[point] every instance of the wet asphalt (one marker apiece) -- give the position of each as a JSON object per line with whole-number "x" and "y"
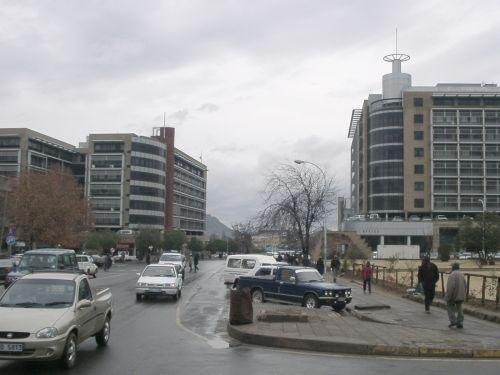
{"x": 189, "y": 337}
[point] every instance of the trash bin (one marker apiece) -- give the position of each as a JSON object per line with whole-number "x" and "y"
{"x": 240, "y": 307}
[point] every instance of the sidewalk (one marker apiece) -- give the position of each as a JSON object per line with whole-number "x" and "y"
{"x": 402, "y": 330}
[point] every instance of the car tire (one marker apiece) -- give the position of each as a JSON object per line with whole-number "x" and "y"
{"x": 102, "y": 336}
{"x": 180, "y": 293}
{"x": 138, "y": 297}
{"x": 257, "y": 296}
{"x": 310, "y": 301}
{"x": 68, "y": 358}
{"x": 176, "y": 296}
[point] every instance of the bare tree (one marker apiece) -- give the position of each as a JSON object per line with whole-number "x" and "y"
{"x": 297, "y": 198}
{"x": 242, "y": 234}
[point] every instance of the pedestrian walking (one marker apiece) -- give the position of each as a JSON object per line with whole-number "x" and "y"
{"x": 367, "y": 274}
{"x": 455, "y": 295}
{"x": 148, "y": 258}
{"x": 428, "y": 275}
{"x": 196, "y": 259}
{"x": 190, "y": 263}
{"x": 335, "y": 265}
{"x": 107, "y": 262}
{"x": 320, "y": 266}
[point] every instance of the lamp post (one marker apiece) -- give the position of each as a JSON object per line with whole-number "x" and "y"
{"x": 324, "y": 219}
{"x": 484, "y": 228}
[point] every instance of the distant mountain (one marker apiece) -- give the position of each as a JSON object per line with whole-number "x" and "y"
{"x": 215, "y": 227}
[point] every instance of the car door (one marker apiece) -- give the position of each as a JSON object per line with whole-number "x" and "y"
{"x": 287, "y": 289}
{"x": 85, "y": 315}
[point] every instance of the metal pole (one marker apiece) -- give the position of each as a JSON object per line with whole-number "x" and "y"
{"x": 484, "y": 228}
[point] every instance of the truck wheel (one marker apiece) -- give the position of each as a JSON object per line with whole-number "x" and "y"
{"x": 68, "y": 358}
{"x": 311, "y": 301}
{"x": 176, "y": 296}
{"x": 102, "y": 336}
{"x": 257, "y": 296}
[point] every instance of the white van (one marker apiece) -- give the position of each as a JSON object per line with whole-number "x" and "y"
{"x": 245, "y": 265}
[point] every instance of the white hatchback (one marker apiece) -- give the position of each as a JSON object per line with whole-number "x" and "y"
{"x": 86, "y": 265}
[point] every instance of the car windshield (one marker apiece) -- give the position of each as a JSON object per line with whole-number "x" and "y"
{"x": 38, "y": 262}
{"x": 81, "y": 259}
{"x": 159, "y": 271}
{"x": 27, "y": 293}
{"x": 170, "y": 258}
{"x": 309, "y": 276}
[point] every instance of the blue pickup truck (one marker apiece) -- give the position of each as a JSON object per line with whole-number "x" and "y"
{"x": 302, "y": 285}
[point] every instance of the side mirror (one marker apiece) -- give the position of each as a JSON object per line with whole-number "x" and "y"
{"x": 83, "y": 304}
{"x": 138, "y": 274}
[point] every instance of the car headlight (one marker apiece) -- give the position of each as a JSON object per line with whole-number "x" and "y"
{"x": 141, "y": 284}
{"x": 47, "y": 333}
{"x": 172, "y": 285}
{"x": 336, "y": 295}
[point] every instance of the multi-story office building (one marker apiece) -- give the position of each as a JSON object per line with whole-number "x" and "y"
{"x": 22, "y": 149}
{"x": 131, "y": 181}
{"x": 426, "y": 151}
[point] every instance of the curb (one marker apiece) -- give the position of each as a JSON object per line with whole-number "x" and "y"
{"x": 356, "y": 347}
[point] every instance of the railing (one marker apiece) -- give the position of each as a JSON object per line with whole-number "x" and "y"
{"x": 485, "y": 289}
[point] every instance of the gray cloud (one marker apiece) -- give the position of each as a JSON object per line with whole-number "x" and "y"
{"x": 179, "y": 116}
{"x": 208, "y": 107}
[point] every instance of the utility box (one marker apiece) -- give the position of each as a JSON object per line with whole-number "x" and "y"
{"x": 398, "y": 251}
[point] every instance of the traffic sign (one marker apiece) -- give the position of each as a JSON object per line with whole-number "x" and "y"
{"x": 10, "y": 240}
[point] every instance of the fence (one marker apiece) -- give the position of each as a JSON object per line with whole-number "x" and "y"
{"x": 481, "y": 289}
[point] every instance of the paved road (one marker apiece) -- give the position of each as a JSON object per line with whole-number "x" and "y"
{"x": 188, "y": 337}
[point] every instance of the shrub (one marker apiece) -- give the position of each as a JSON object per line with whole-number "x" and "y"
{"x": 444, "y": 252}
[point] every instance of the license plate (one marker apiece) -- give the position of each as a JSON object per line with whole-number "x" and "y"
{"x": 8, "y": 347}
{"x": 341, "y": 299}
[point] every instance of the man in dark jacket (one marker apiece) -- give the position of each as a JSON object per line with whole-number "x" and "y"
{"x": 335, "y": 267}
{"x": 428, "y": 275}
{"x": 320, "y": 266}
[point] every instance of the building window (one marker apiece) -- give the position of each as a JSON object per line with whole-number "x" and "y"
{"x": 419, "y": 186}
{"x": 418, "y": 135}
{"x": 418, "y": 102}
{"x": 444, "y": 117}
{"x": 9, "y": 142}
{"x": 445, "y": 186}
{"x": 445, "y": 168}
{"x": 418, "y": 119}
{"x": 418, "y": 203}
{"x": 471, "y": 117}
{"x": 419, "y": 169}
{"x": 419, "y": 152}
{"x": 108, "y": 147}
{"x": 444, "y": 102}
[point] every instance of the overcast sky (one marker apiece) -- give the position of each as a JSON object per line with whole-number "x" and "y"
{"x": 246, "y": 84}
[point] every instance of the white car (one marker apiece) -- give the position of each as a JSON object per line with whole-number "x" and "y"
{"x": 159, "y": 280}
{"x": 86, "y": 265}
{"x": 176, "y": 259}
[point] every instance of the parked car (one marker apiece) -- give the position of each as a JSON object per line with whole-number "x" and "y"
{"x": 441, "y": 217}
{"x": 159, "y": 280}
{"x": 414, "y": 218}
{"x": 49, "y": 314}
{"x": 302, "y": 285}
{"x": 465, "y": 255}
{"x": 176, "y": 259}
{"x": 98, "y": 260}
{"x": 46, "y": 260}
{"x": 397, "y": 218}
{"x": 6, "y": 266}
{"x": 86, "y": 265}
{"x": 374, "y": 217}
{"x": 245, "y": 264}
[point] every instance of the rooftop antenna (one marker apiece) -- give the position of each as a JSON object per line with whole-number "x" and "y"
{"x": 164, "y": 119}
{"x": 396, "y": 40}
{"x": 396, "y": 58}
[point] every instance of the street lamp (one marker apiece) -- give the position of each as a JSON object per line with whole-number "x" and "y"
{"x": 324, "y": 219}
{"x": 484, "y": 229}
